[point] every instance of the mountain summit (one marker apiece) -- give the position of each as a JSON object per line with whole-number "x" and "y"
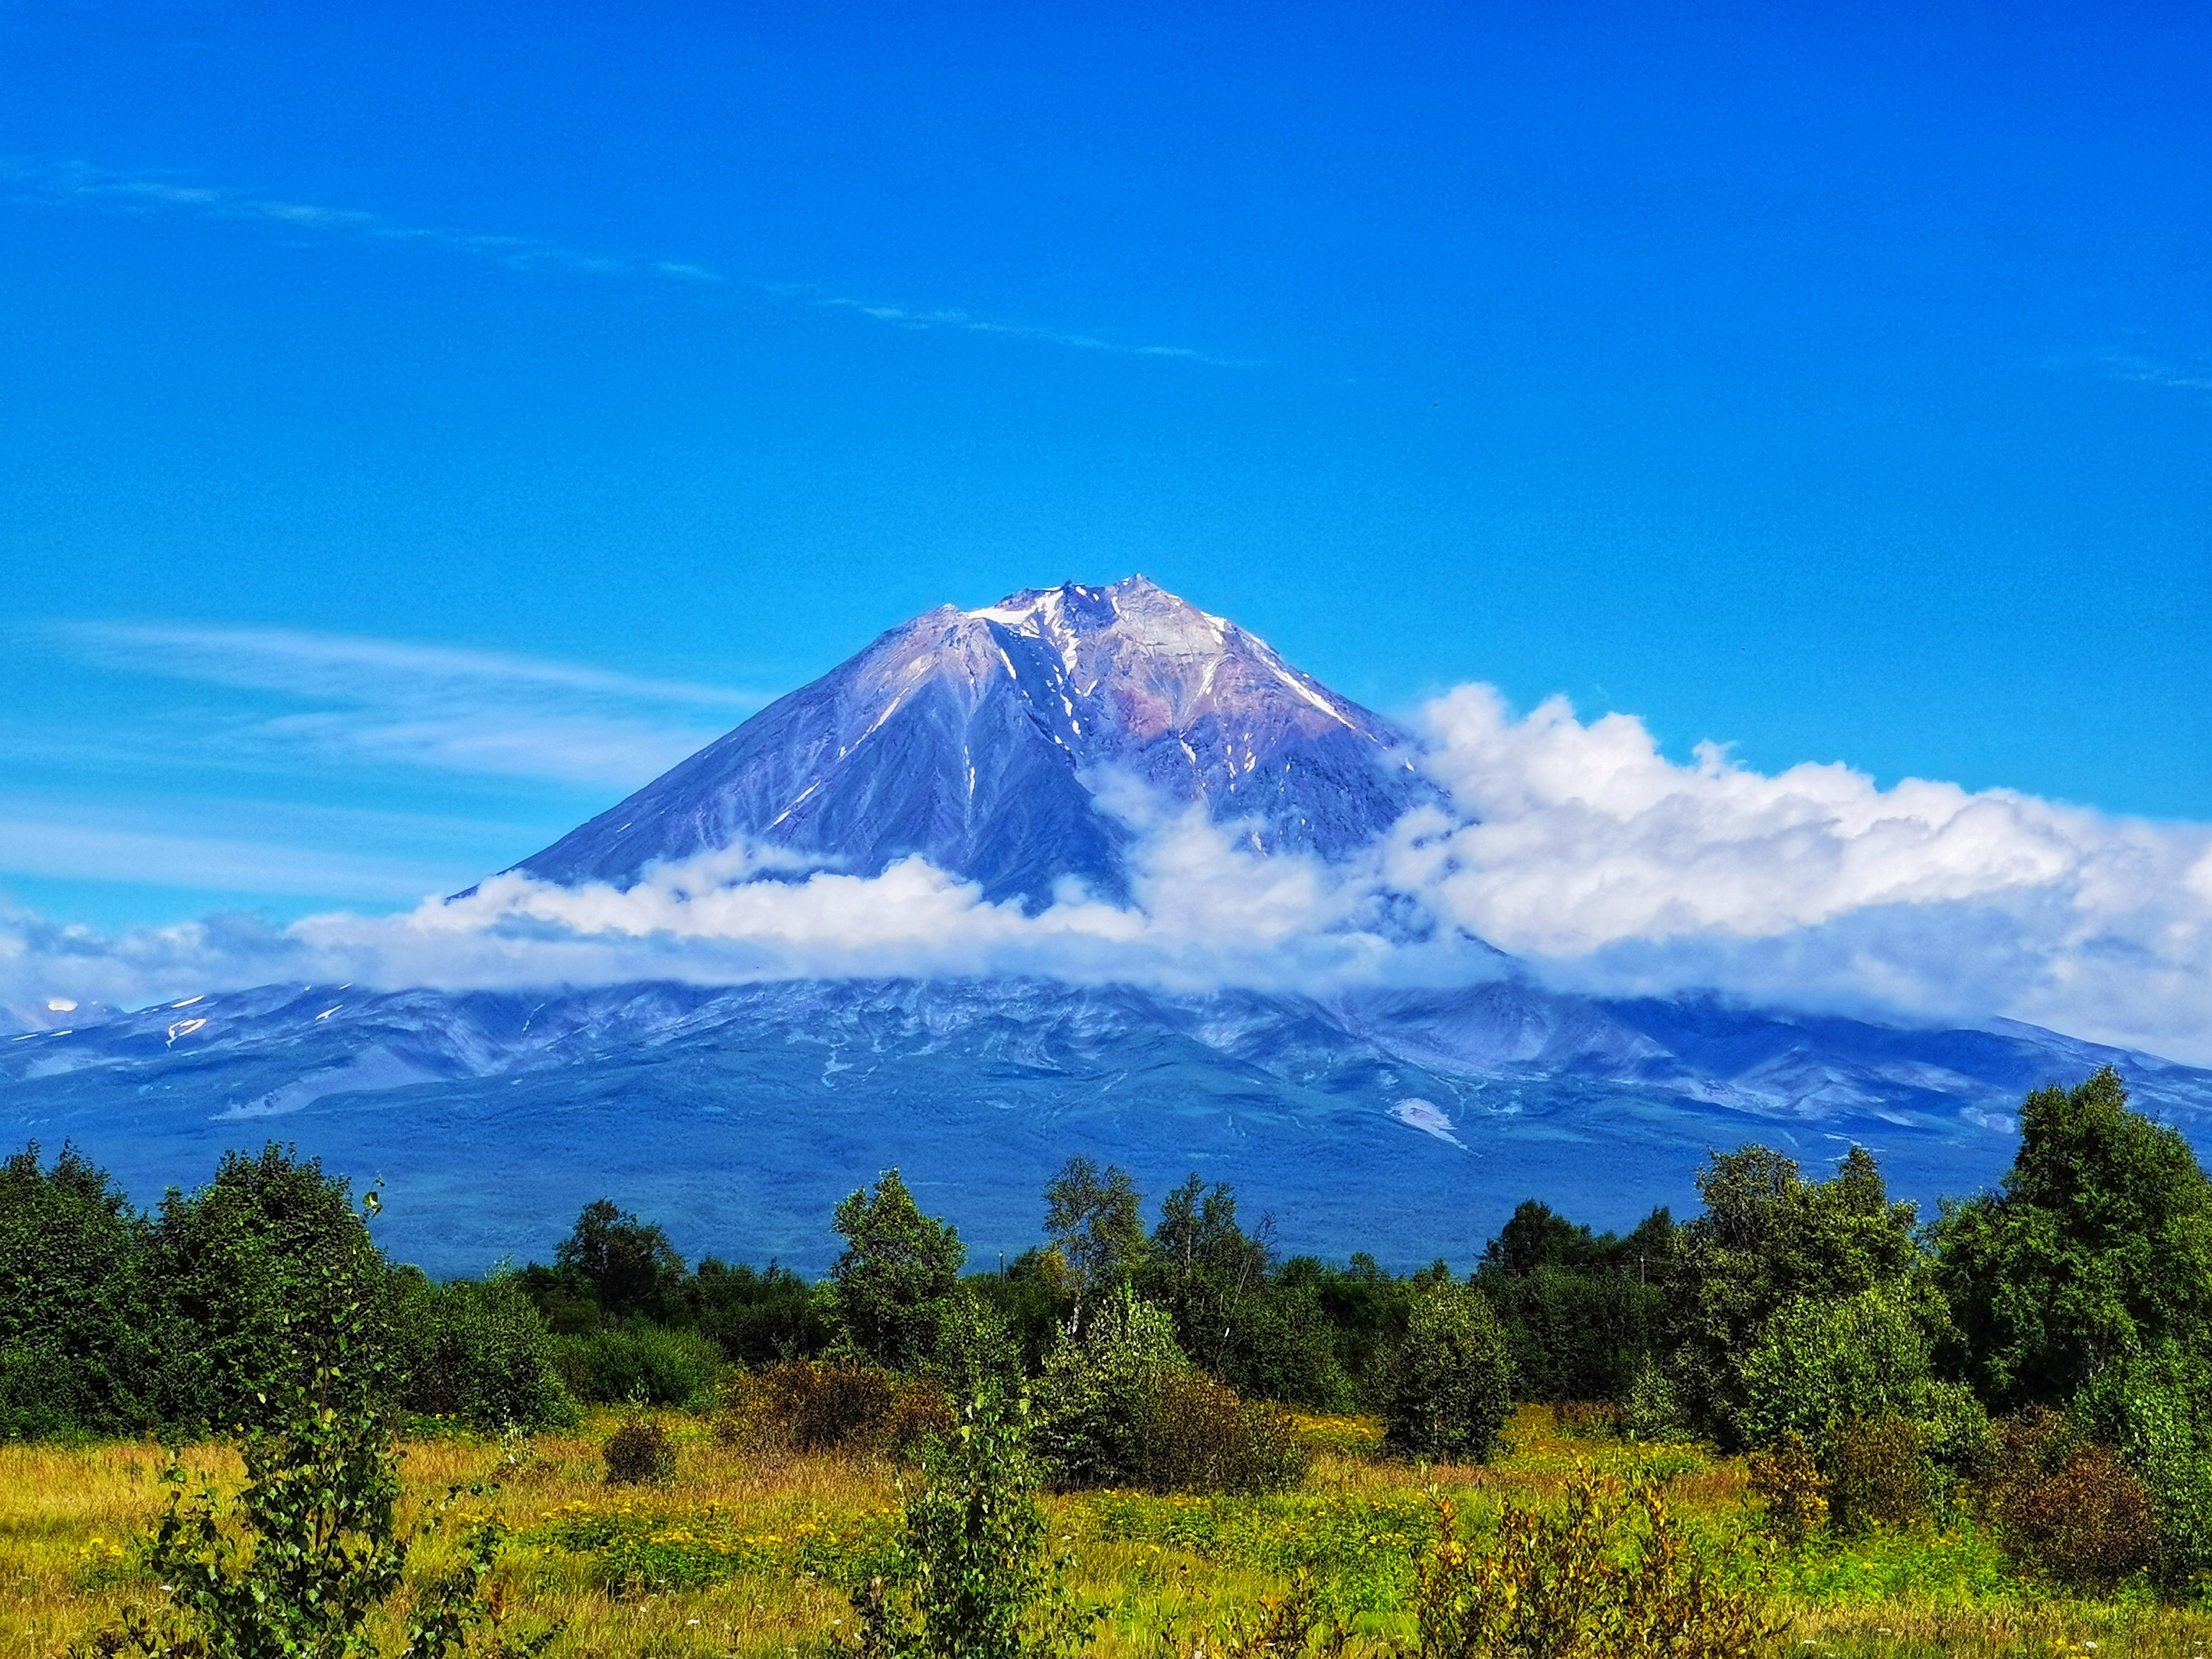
{"x": 980, "y": 740}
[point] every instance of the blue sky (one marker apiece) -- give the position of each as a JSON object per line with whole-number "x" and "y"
{"x": 419, "y": 425}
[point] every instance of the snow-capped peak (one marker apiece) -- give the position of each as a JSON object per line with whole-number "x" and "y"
{"x": 976, "y": 738}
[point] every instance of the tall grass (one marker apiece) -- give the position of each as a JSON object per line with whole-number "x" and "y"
{"x": 1168, "y": 1569}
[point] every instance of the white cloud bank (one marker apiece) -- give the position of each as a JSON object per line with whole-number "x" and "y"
{"x": 1578, "y": 847}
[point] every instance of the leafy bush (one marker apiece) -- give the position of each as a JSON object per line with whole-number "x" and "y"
{"x": 1787, "y": 1479}
{"x": 971, "y": 1577}
{"x": 80, "y": 1343}
{"x": 270, "y": 1245}
{"x": 1586, "y": 1419}
{"x": 1095, "y": 1398}
{"x": 1561, "y": 1586}
{"x": 2152, "y": 1408}
{"x": 639, "y": 1452}
{"x": 1877, "y": 1474}
{"x": 757, "y": 1316}
{"x": 1819, "y": 1362}
{"x": 629, "y": 1264}
{"x": 808, "y": 1406}
{"x": 893, "y": 1290}
{"x": 1197, "y": 1436}
{"x": 1451, "y": 1382}
{"x": 311, "y": 1546}
{"x": 1575, "y": 1334}
{"x": 1653, "y": 1411}
{"x": 318, "y": 1505}
{"x": 1768, "y": 1238}
{"x": 2068, "y": 1507}
{"x": 662, "y": 1367}
{"x": 2097, "y": 1243}
{"x": 480, "y": 1354}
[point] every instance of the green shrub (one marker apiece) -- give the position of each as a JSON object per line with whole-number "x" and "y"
{"x": 1196, "y": 1435}
{"x": 1560, "y": 1585}
{"x": 1819, "y": 1362}
{"x": 1877, "y": 1474}
{"x": 480, "y": 1354}
{"x": 2152, "y": 1408}
{"x": 1574, "y": 1334}
{"x": 1451, "y": 1382}
{"x": 809, "y": 1406}
{"x": 1787, "y": 1480}
{"x": 1653, "y": 1411}
{"x": 639, "y": 1452}
{"x": 1094, "y": 1399}
{"x": 894, "y": 1290}
{"x": 661, "y": 1367}
{"x": 971, "y": 1577}
{"x": 311, "y": 1546}
{"x": 2097, "y": 1244}
{"x": 81, "y": 1339}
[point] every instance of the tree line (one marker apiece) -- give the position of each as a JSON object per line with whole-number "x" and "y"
{"x": 2057, "y": 1328}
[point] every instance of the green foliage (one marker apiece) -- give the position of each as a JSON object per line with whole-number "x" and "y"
{"x": 895, "y": 1287}
{"x": 479, "y": 1353}
{"x": 1095, "y": 1398}
{"x": 1768, "y": 1238}
{"x": 1819, "y": 1364}
{"x": 1562, "y": 1585}
{"x": 1576, "y": 1335}
{"x": 82, "y": 1343}
{"x": 314, "y": 1545}
{"x": 972, "y": 1578}
{"x": 2097, "y": 1244}
{"x": 1789, "y": 1485}
{"x": 270, "y": 1246}
{"x": 1451, "y": 1382}
{"x": 1653, "y": 1411}
{"x": 640, "y": 1361}
{"x": 628, "y": 1264}
{"x": 1196, "y": 1435}
{"x": 1204, "y": 1268}
{"x": 759, "y": 1317}
{"x": 1286, "y": 1346}
{"x": 2151, "y": 1409}
{"x": 1093, "y": 1217}
{"x": 1878, "y": 1474}
{"x": 466, "y": 1608}
{"x": 1303, "y": 1334}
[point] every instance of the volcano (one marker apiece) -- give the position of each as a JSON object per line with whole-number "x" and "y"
{"x": 983, "y": 741}
{"x": 1022, "y": 746}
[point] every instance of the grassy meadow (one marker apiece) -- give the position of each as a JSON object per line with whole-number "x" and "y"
{"x": 747, "y": 1554}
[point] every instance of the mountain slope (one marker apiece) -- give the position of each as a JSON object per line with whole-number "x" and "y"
{"x": 980, "y": 740}
{"x": 1005, "y": 745}
{"x": 1406, "y": 1124}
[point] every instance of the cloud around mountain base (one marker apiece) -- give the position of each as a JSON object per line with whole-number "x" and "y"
{"x": 1577, "y": 847}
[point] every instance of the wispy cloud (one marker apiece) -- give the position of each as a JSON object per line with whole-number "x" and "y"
{"x": 78, "y": 184}
{"x": 2140, "y": 369}
{"x": 478, "y": 713}
{"x": 2149, "y": 371}
{"x": 72, "y": 850}
{"x": 58, "y": 183}
{"x": 921, "y": 318}
{"x": 252, "y": 846}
